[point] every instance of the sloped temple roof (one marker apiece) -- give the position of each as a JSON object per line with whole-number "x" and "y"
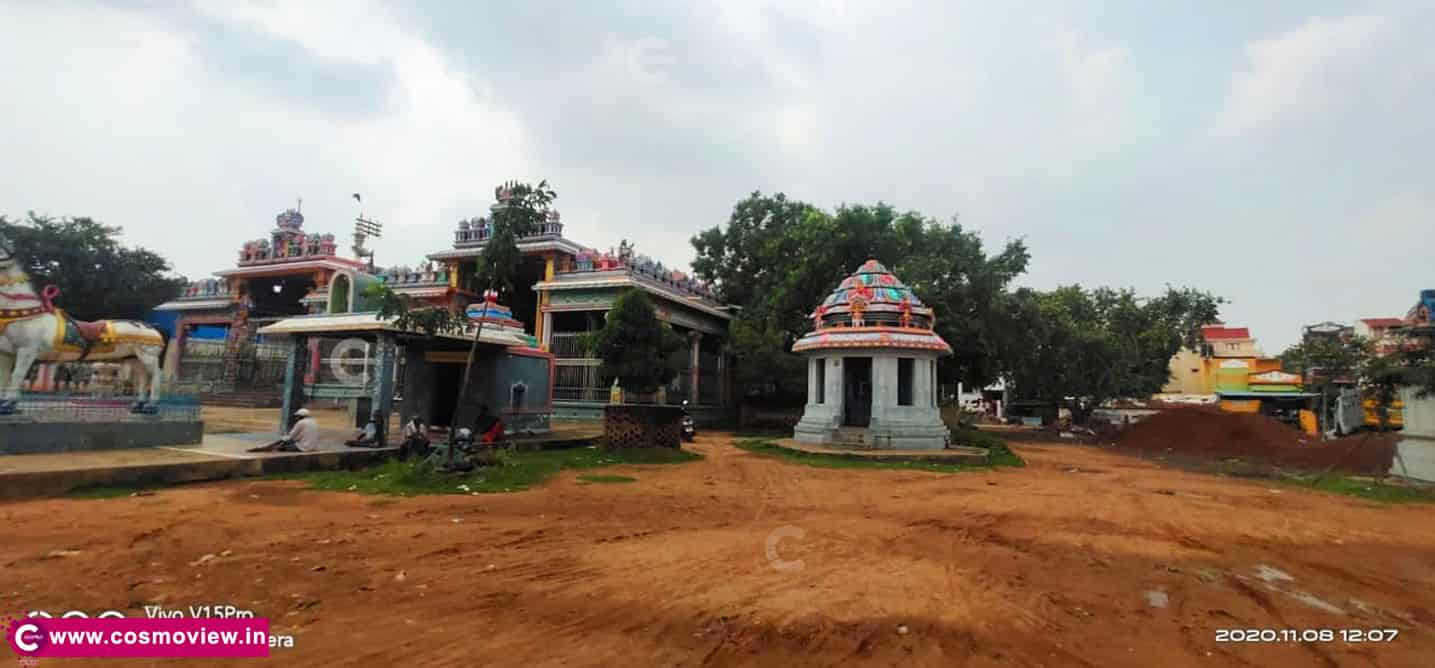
{"x": 872, "y": 309}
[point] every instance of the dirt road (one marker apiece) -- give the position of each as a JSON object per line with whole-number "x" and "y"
{"x": 1083, "y": 558}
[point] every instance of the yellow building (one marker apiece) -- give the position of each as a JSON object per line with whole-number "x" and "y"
{"x": 1226, "y": 363}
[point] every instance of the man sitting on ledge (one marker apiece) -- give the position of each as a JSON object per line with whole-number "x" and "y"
{"x": 302, "y": 437}
{"x": 369, "y": 437}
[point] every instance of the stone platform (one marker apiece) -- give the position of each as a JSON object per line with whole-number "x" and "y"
{"x": 19, "y": 436}
{"x": 217, "y": 457}
{"x": 954, "y": 454}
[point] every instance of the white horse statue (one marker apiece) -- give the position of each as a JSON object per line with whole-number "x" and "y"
{"x": 33, "y": 330}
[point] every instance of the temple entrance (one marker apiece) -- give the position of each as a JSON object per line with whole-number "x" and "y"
{"x": 447, "y": 378}
{"x": 857, "y": 391}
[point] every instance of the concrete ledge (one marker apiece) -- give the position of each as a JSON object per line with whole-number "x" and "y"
{"x": 953, "y": 455}
{"x": 33, "y": 484}
{"x": 28, "y": 438}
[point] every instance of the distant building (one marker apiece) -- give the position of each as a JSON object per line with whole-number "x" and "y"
{"x": 1226, "y": 359}
{"x": 1381, "y": 333}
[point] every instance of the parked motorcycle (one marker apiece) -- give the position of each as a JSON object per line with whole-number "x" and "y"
{"x": 690, "y": 429}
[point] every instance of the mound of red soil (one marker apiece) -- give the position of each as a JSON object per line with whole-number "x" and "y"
{"x": 1209, "y": 432}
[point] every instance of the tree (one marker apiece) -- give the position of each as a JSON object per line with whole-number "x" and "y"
{"x": 1327, "y": 362}
{"x": 634, "y": 346}
{"x": 1410, "y": 364}
{"x": 1080, "y": 348}
{"x": 413, "y": 316}
{"x": 522, "y": 208}
{"x": 778, "y": 258}
{"x": 97, "y": 276}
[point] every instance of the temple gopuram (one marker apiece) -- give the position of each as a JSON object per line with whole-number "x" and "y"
{"x": 565, "y": 290}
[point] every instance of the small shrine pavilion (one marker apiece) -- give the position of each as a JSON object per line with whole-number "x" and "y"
{"x": 872, "y": 367}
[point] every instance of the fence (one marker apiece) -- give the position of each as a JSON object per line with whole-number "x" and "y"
{"x": 208, "y": 366}
{"x": 578, "y": 380}
{"x": 79, "y": 408}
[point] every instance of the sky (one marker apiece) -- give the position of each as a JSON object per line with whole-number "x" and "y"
{"x": 1277, "y": 154}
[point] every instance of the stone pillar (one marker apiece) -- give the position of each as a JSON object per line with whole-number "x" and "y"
{"x": 541, "y": 325}
{"x": 884, "y": 388}
{"x": 695, "y": 343}
{"x": 176, "y": 353}
{"x": 293, "y": 381}
{"x": 546, "y": 326}
{"x": 383, "y": 398}
{"x": 312, "y": 375}
{"x": 812, "y": 365}
{"x": 836, "y": 390}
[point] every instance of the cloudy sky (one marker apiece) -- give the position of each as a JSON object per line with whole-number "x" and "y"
{"x": 1276, "y": 153}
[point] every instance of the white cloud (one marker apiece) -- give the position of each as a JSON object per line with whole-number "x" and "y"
{"x": 139, "y": 133}
{"x": 1303, "y": 71}
{"x": 1094, "y": 81}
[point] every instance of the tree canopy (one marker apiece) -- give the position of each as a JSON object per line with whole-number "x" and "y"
{"x": 778, "y": 258}
{"x": 1078, "y": 347}
{"x": 98, "y": 277}
{"x": 413, "y": 316}
{"x": 634, "y": 346}
{"x": 521, "y": 214}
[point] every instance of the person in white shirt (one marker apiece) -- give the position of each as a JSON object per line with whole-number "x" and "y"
{"x": 369, "y": 436}
{"x": 302, "y": 437}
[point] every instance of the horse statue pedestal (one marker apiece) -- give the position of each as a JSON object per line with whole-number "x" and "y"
{"x": 65, "y": 424}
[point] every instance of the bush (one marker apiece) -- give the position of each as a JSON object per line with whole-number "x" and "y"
{"x": 995, "y": 446}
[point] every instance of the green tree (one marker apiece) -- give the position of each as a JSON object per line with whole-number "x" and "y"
{"x": 97, "y": 276}
{"x": 517, "y": 216}
{"x": 522, "y": 208}
{"x": 1328, "y": 362}
{"x": 778, "y": 258}
{"x": 1079, "y": 348}
{"x": 414, "y": 316}
{"x": 634, "y": 346}
{"x": 1409, "y": 363}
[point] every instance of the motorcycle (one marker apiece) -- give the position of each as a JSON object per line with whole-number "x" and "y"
{"x": 689, "y": 428}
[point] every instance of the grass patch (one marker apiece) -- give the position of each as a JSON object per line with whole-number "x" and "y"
{"x": 520, "y": 471}
{"x": 106, "y": 491}
{"x": 769, "y": 449}
{"x": 995, "y": 445}
{"x": 606, "y": 479}
{"x": 1363, "y": 487}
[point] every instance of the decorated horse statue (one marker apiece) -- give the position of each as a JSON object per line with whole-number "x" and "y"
{"x": 33, "y": 330}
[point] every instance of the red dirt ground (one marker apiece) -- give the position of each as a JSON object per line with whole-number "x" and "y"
{"x": 1055, "y": 564}
{"x": 1212, "y": 433}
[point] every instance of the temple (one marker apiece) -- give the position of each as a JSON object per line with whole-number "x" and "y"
{"x": 872, "y": 367}
{"x": 229, "y": 350}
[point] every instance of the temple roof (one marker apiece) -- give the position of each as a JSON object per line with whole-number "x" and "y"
{"x": 874, "y": 282}
{"x": 872, "y": 309}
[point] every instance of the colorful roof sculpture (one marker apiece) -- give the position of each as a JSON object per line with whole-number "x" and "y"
{"x": 872, "y": 309}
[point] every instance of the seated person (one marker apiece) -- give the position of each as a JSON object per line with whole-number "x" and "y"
{"x": 369, "y": 436}
{"x": 302, "y": 437}
{"x": 416, "y": 440}
{"x": 488, "y": 427}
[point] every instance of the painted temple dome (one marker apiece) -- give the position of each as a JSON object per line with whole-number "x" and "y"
{"x": 872, "y": 308}
{"x": 880, "y": 287}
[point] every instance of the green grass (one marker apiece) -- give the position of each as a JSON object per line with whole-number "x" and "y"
{"x": 606, "y": 479}
{"x": 1002, "y": 457}
{"x": 106, "y": 491}
{"x": 520, "y": 471}
{"x": 1365, "y": 488}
